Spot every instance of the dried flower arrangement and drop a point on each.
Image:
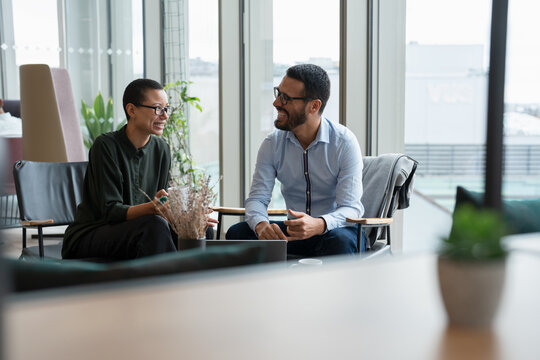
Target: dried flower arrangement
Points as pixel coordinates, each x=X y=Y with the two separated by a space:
x=189 y=205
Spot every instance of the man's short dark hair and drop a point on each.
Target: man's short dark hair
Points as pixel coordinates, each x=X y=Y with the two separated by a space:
x=315 y=79
x=135 y=92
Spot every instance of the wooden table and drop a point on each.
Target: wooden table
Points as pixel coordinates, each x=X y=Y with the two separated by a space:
x=347 y=309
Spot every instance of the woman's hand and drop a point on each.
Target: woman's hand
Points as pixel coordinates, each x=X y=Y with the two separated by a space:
x=161 y=204
x=210 y=221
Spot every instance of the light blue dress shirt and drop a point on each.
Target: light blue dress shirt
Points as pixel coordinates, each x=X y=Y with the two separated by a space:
x=324 y=180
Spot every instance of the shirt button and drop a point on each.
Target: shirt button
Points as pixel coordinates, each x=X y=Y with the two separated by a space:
x=307 y=192
x=305 y=172
x=308 y=210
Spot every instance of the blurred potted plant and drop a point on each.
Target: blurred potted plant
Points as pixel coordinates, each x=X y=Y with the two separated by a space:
x=98 y=119
x=471 y=267
x=176 y=131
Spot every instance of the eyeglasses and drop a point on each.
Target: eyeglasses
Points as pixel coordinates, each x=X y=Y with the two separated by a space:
x=158 y=110
x=284 y=98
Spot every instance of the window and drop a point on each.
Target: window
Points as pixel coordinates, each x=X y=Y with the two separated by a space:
x=191 y=53
x=36 y=46
x=447 y=57
x=522 y=103
x=104 y=48
x=279 y=34
x=203 y=72
x=21 y=44
x=99 y=42
x=446 y=79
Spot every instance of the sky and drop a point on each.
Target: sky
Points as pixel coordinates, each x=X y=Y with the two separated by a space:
x=468 y=22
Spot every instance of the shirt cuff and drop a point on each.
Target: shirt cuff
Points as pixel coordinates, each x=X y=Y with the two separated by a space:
x=325 y=224
x=330 y=225
x=253 y=221
x=118 y=213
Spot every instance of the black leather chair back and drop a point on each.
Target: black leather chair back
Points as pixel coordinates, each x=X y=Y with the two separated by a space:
x=13 y=107
x=49 y=190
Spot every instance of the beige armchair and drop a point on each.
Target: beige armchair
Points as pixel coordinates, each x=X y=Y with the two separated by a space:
x=51 y=128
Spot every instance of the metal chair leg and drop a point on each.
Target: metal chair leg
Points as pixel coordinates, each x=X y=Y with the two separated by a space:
x=219 y=226
x=24 y=238
x=40 y=239
x=359 y=240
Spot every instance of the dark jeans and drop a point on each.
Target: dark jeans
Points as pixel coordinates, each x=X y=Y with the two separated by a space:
x=143 y=236
x=334 y=242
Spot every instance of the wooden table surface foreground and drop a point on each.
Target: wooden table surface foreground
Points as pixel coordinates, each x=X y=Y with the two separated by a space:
x=345 y=309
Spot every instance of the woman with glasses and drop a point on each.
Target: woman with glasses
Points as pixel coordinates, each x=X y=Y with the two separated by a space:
x=115 y=218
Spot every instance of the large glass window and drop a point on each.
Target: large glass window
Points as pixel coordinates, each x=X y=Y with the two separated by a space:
x=191 y=53
x=446 y=97
x=522 y=102
x=36 y=46
x=99 y=42
x=446 y=79
x=104 y=44
x=279 y=34
x=203 y=72
x=446 y=94
x=21 y=44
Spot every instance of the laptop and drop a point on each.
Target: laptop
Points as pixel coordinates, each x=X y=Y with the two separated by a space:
x=275 y=250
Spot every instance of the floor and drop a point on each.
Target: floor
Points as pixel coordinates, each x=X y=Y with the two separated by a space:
x=11 y=240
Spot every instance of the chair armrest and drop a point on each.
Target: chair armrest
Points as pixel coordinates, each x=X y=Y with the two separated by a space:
x=371 y=221
x=277 y=211
x=242 y=211
x=228 y=210
x=37 y=222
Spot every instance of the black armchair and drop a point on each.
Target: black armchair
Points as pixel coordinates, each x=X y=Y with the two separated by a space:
x=48 y=194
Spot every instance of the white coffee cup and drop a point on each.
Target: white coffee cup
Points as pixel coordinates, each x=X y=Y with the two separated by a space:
x=310 y=262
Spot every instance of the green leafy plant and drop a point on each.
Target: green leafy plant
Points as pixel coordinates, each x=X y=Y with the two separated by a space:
x=98 y=119
x=476 y=235
x=176 y=131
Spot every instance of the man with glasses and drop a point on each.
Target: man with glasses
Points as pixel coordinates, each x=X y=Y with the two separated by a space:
x=319 y=165
x=115 y=219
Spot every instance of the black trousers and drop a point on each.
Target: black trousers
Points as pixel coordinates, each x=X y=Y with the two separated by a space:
x=144 y=236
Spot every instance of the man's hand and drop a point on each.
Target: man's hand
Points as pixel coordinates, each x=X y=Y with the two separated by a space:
x=304 y=226
x=267 y=231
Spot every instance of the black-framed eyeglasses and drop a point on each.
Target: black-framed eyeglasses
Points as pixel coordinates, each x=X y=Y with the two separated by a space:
x=158 y=110
x=284 y=98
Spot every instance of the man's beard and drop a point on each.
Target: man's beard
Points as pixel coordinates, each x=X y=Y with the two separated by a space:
x=294 y=120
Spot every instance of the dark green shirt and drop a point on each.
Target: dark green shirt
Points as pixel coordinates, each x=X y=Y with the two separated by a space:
x=116 y=172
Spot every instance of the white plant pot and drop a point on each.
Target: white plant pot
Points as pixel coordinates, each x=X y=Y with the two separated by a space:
x=471 y=290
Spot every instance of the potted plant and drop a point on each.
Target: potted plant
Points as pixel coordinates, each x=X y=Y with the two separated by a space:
x=471 y=267
x=98 y=119
x=188 y=208
x=176 y=131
